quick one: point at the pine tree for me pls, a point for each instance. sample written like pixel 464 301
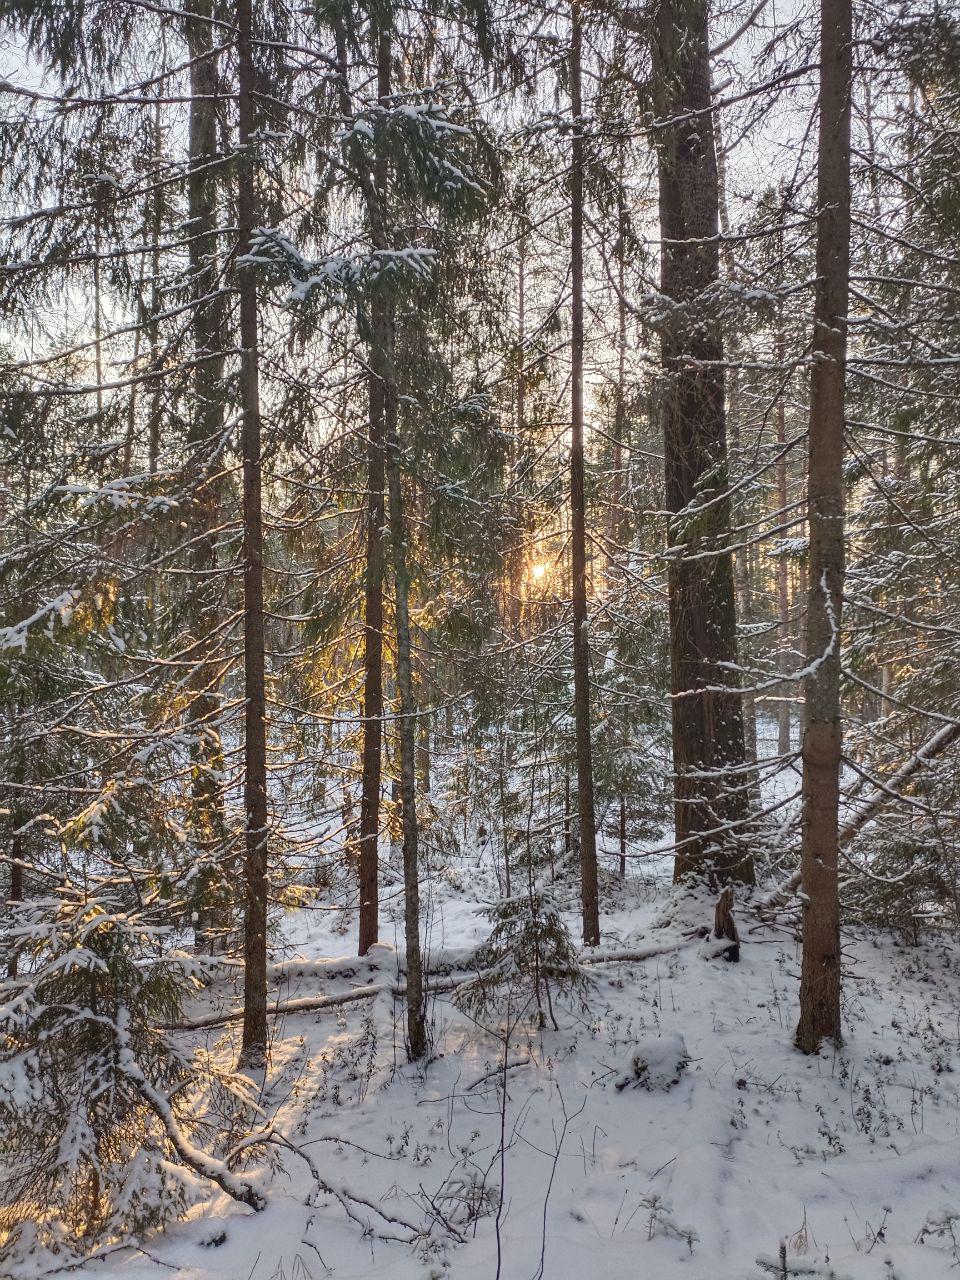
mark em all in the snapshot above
pixel 587 824
pixel 822 734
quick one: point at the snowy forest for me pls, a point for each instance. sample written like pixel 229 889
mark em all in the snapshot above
pixel 480 639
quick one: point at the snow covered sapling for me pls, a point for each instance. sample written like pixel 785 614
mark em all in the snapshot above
pixel 99 1106
pixel 656 1063
pixel 529 957
pixel 783 1268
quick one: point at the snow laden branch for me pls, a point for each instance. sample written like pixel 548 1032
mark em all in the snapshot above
pixel 102 1113
pixel 201 1162
pixel 376 1222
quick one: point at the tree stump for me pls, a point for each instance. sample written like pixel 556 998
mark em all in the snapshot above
pixel 724 925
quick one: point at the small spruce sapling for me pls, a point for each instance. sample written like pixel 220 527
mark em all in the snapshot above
pixel 99 1105
pixel 528 958
pixel 783 1268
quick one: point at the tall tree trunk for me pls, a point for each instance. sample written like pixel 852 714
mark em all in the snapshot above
pixel 783 568
pixel 140 311
pixel 742 579
pixel 381 374
pixel 617 488
pixel 383 361
pixel 578 544
pixel 101 199
pixel 822 737
pixel 372 750
pixel 407 732
pixel 424 721
pixel 517 553
pixel 156 301
pixel 743 594
pixel 254 1041
pixel 207 408
pixel 710 806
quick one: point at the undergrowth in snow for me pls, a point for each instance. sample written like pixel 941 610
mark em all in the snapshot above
pixel 519 1153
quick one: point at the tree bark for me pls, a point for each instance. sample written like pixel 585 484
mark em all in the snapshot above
pixel 381 347
pixel 578 546
pixel 513 613
pixel 407 730
pixel 207 408
pixel 742 585
pixel 742 577
pixel 384 363
pixel 156 399
pixel 567 833
pixel 708 740
pixel 372 750
pixel 425 751
pixel 616 522
pixel 254 1040
pixel 822 737
pixel 783 568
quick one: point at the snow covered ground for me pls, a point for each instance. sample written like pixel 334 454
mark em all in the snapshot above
pixel 579 1172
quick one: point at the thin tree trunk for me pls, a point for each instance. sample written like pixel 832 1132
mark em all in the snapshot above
pixel 504 831
pixel 822 738
pixel 708 740
pixel 407 731
pixel 567 834
pixel 207 408
pixel 254 1041
pixel 891 538
pixel 742 576
pixel 513 577
pixel 617 486
pixel 381 372
pixel 372 750
pixel 743 594
pixel 425 753
pixel 16 886
pixel 623 837
pixel 97 305
pixel 156 401
pixel 384 362
pixel 141 316
pixel 783 568
pixel 578 544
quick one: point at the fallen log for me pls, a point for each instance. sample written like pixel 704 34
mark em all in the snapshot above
pixel 882 795
pixel 308 1004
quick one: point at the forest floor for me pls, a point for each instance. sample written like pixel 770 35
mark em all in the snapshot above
pixel 851 1158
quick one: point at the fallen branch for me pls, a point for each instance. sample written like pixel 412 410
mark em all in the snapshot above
pixel 498 1071
pixel 194 1158
pixel 309 1004
pixel 883 794
pixel 302 1004
pixel 599 955
pixel 349 1200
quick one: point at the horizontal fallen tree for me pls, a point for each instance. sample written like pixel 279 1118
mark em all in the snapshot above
pixel 595 957
pixel 884 793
